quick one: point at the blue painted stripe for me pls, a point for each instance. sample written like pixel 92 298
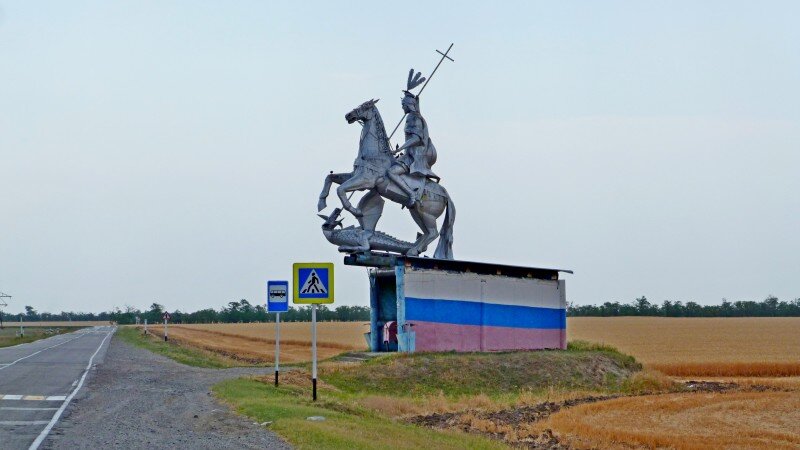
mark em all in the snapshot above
pixel 489 314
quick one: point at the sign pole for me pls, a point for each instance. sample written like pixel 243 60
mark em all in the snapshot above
pixel 314 351
pixel 277 344
pixel 313 285
pixel 145 326
pixel 166 338
pixel 277 302
pixel 21 329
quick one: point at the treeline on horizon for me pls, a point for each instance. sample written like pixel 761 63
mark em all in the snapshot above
pixel 769 307
pixel 244 311
pixel 234 312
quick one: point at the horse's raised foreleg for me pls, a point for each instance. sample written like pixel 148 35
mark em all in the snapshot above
pixel 337 178
pixel 356 183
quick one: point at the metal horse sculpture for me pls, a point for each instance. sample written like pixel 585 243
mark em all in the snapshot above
pixel 369 173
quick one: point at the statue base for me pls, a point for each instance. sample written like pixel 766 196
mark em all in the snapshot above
pixel 429 304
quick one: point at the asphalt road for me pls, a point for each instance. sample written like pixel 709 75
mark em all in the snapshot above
pixel 38 380
pixel 88 390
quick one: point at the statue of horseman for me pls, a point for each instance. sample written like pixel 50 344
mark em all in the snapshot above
pixel 419 152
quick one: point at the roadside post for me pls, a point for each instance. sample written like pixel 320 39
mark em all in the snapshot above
pixel 166 318
pixel 145 326
pixel 313 285
pixel 277 302
pixel 21 328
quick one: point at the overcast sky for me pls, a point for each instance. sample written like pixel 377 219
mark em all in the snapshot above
pixel 174 151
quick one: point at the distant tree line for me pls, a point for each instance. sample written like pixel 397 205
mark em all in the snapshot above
pixel 769 307
pixel 244 311
pixel 234 312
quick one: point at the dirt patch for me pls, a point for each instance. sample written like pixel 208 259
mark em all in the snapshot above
pixel 727 386
pixel 509 425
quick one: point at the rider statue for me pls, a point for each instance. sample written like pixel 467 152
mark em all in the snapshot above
pixel 420 154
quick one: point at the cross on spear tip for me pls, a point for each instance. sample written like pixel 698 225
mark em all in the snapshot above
pixel 444 55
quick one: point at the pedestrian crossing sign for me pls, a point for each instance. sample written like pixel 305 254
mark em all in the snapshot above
pixel 313 283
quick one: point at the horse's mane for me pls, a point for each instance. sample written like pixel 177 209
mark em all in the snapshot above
pixel 381 131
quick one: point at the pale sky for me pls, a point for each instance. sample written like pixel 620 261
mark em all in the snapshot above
pixel 174 151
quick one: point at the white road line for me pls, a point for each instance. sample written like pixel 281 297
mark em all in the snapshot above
pixel 39 398
pixel 11 408
pixel 39 439
pixel 40 351
pixel 22 422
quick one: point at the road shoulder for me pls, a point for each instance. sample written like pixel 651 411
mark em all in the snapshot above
pixel 138 399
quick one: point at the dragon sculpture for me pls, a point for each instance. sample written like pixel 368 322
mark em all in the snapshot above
pixel 354 239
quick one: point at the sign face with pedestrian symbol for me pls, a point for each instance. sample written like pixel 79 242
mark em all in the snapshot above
pixel 313 283
pixel 277 296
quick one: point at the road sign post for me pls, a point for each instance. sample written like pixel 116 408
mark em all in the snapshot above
pixel 145 326
pixel 277 302
pixel 313 285
pixel 314 351
pixel 277 345
pixel 166 318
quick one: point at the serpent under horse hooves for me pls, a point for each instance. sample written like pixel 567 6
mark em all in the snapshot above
pixel 369 174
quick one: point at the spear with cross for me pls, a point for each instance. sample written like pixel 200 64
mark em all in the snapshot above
pixel 441 60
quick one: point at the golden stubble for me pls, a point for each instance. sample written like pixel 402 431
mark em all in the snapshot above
pixel 751 420
pixel 752 346
pixel 255 342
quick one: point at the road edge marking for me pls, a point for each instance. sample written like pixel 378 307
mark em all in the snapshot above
pixel 39 439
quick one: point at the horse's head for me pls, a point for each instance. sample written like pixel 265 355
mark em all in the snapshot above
pixel 362 112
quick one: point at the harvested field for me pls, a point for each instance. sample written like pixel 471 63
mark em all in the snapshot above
pixel 682 347
pixel 735 347
pixel 255 343
pixel 63 323
pixel 768 420
pixel 9 336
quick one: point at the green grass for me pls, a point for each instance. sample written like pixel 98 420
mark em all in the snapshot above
pixel 582 367
pixel 184 355
pixel 345 426
pixel 8 335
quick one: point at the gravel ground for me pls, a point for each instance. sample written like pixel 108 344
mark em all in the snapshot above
pixel 137 399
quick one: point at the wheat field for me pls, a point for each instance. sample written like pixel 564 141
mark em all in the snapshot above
pixel 255 342
pixel 743 420
pixel 686 347
pixel 681 347
pixel 63 323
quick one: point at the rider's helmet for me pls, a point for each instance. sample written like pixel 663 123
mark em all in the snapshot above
pixel 411 101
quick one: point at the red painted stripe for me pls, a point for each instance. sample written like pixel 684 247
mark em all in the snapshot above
pixel 435 336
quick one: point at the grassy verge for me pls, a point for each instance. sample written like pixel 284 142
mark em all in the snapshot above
pixel 9 338
pixel 345 426
pixel 184 355
pixel 582 366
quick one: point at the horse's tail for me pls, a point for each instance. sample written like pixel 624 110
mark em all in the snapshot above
pixel 445 248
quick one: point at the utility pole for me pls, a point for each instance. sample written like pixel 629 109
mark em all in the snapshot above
pixel 2 304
